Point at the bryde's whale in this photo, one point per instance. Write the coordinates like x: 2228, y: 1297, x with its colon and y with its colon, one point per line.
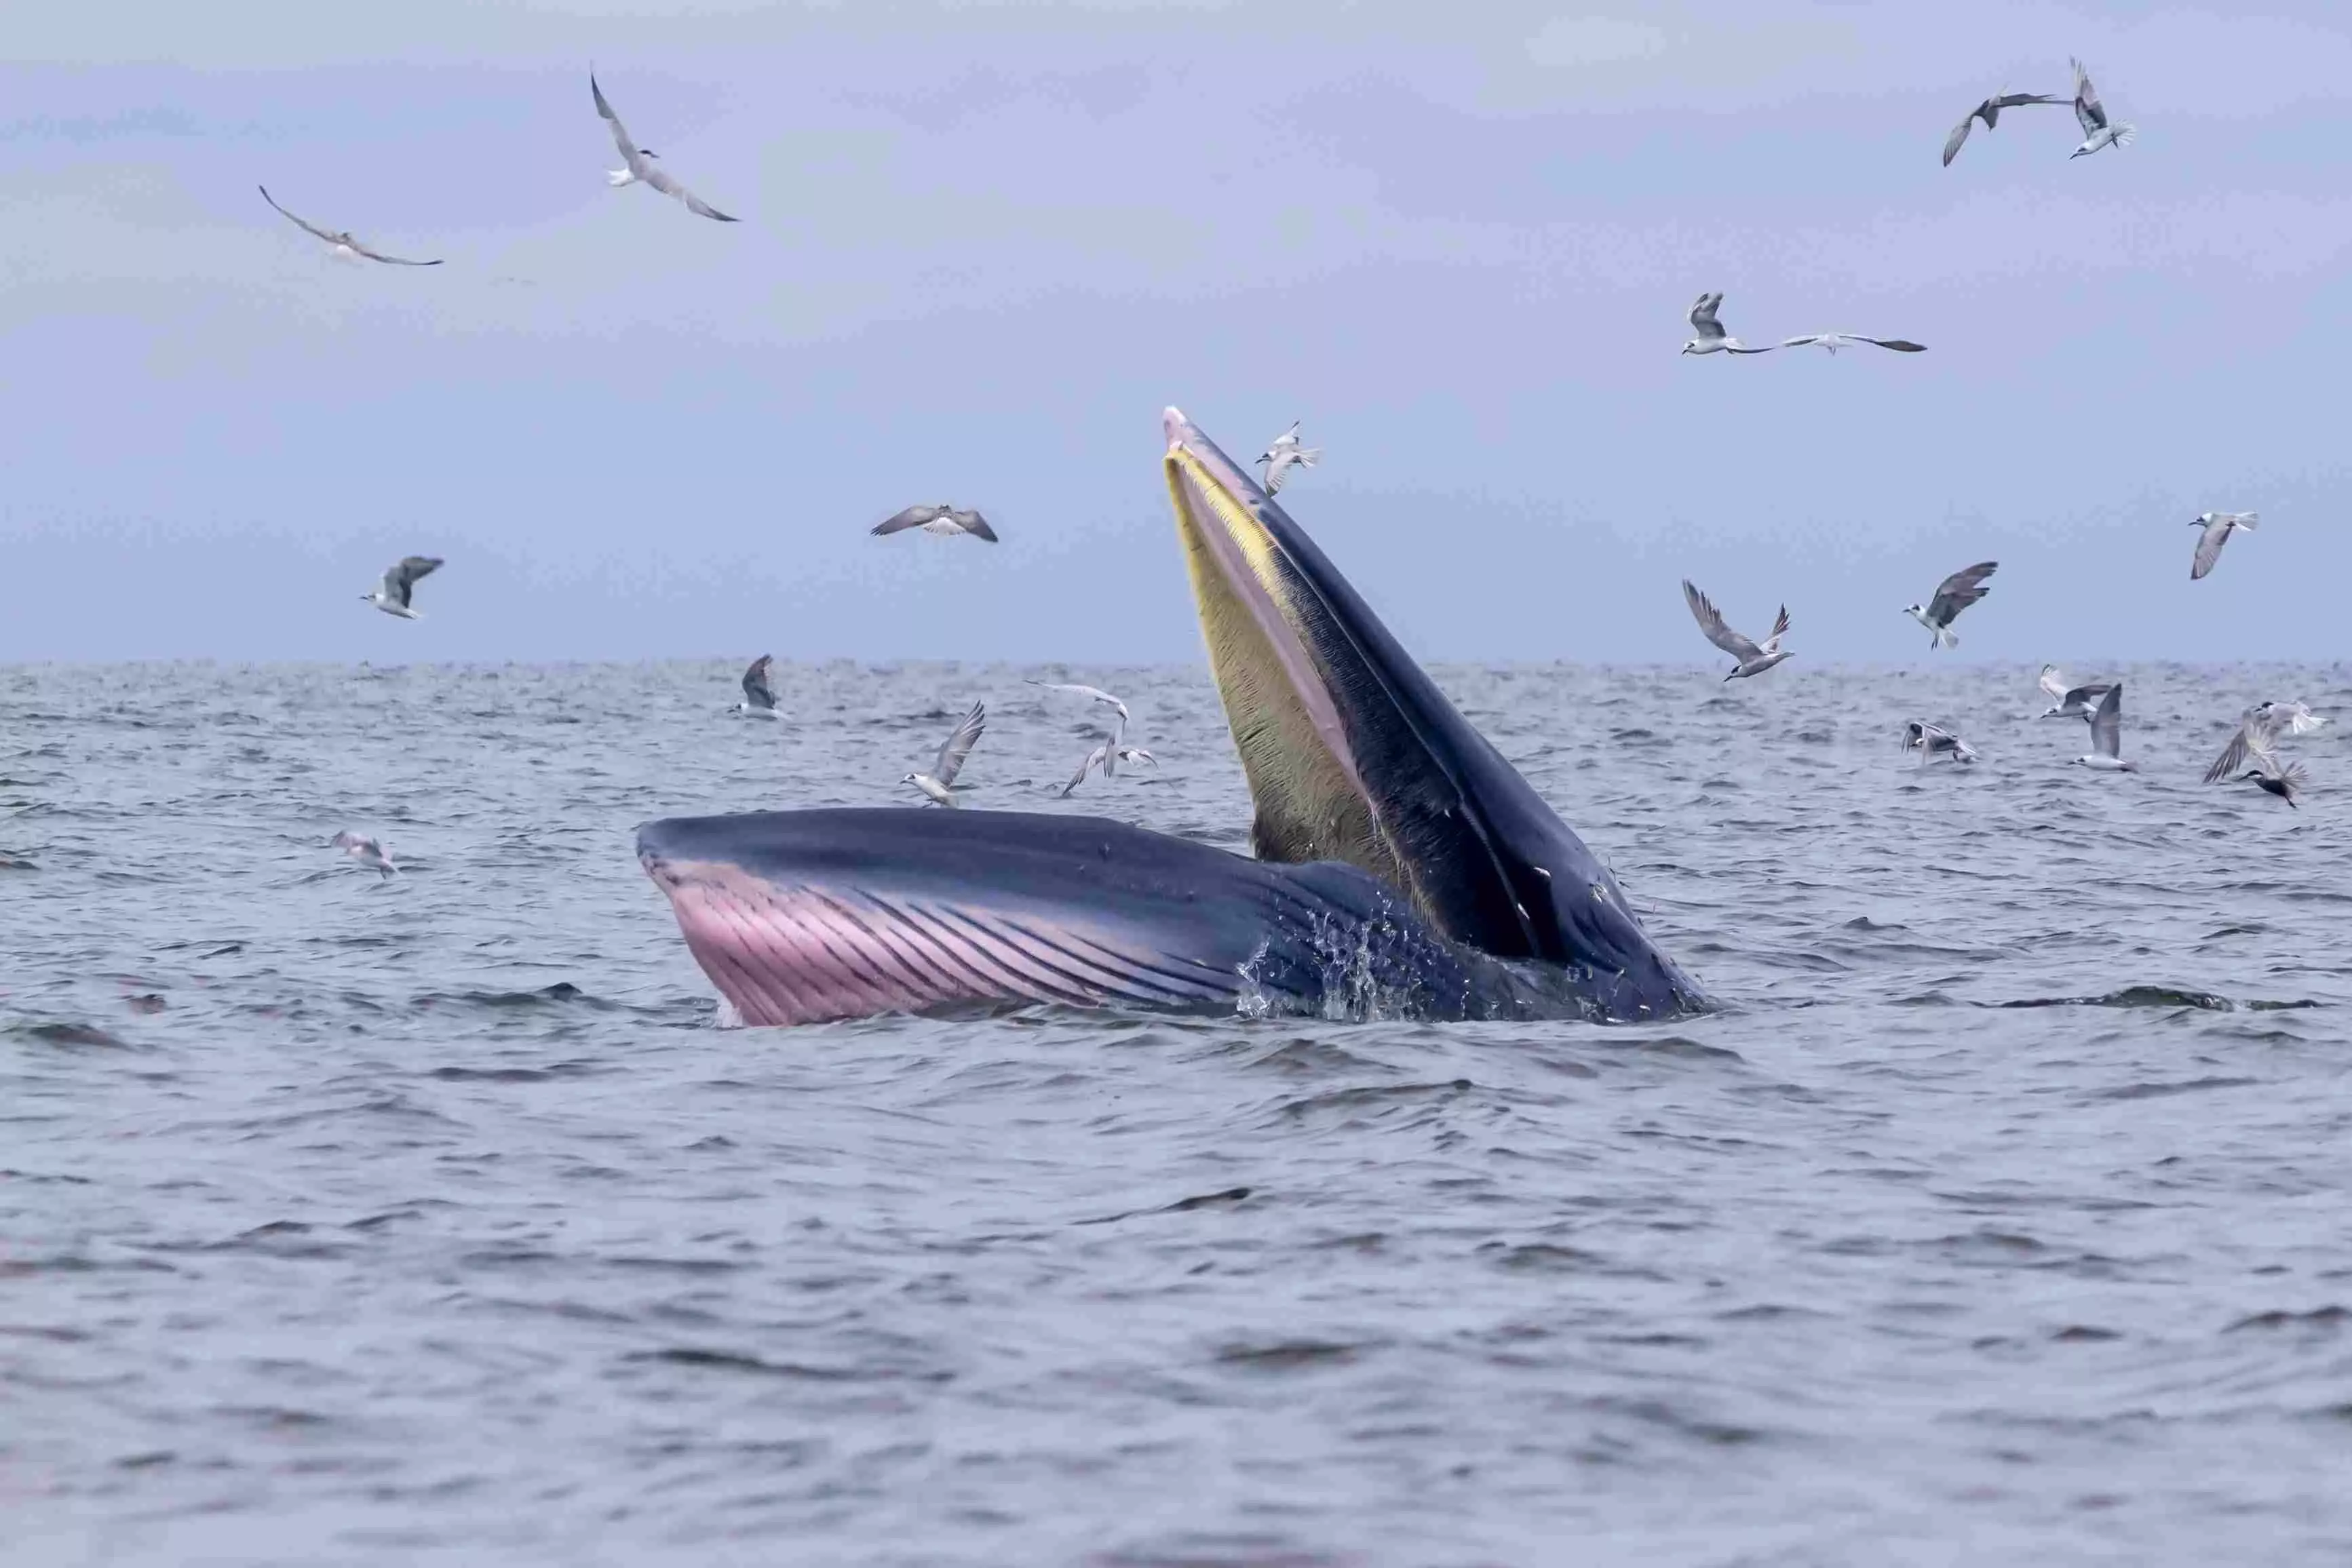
x: 1403, y: 868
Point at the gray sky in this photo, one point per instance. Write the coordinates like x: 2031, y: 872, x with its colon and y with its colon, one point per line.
x: 984, y: 244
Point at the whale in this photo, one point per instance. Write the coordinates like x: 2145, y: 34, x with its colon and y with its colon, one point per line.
x: 1400, y: 866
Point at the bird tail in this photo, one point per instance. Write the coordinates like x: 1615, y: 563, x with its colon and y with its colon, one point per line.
x: 618, y: 177
x: 2127, y: 134
x: 2247, y: 520
x: 1308, y: 454
x: 1946, y: 638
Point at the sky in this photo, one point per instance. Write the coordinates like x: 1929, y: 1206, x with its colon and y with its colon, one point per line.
x: 984, y: 243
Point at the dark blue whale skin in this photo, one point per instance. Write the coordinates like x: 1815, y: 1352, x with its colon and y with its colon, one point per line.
x: 929, y: 909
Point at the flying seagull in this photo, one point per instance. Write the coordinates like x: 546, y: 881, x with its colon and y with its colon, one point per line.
x: 1834, y: 341
x: 759, y: 696
x: 938, y: 785
x: 345, y: 245
x: 1712, y: 339
x: 1285, y: 454
x: 1753, y: 659
x: 2070, y: 702
x: 365, y: 851
x: 942, y: 521
x: 1117, y: 752
x: 2259, y: 728
x: 2096, y: 132
x: 1933, y: 740
x: 2107, y: 734
x: 2218, y: 527
x: 391, y: 594
x: 1104, y: 757
x: 1989, y: 112
x: 1954, y: 594
x: 638, y: 163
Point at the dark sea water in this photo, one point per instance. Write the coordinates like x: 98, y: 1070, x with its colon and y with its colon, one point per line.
x: 2000, y: 1217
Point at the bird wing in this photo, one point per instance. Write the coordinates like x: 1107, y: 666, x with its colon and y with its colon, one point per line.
x: 2012, y: 99
x: 1710, y: 621
x: 912, y: 517
x: 304, y: 223
x: 2209, y: 546
x: 1779, y: 630
x: 1959, y: 135
x: 2251, y: 735
x: 1075, y: 689
x: 394, y: 260
x: 2053, y: 682
x: 403, y: 577
x: 972, y: 523
x: 2107, y: 723
x: 2087, y: 107
x: 2083, y: 695
x: 630, y: 155
x: 1900, y: 345
x: 1826, y: 340
x: 1959, y: 590
x: 958, y: 746
x: 1701, y: 315
x: 1091, y: 759
x: 660, y: 180
x: 1277, y: 467
x: 1137, y: 754
x: 756, y: 690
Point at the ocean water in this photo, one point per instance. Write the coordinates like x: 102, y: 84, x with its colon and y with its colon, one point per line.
x: 1999, y: 1216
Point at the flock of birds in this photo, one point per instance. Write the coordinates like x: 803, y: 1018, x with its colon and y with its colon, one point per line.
x: 2251, y: 757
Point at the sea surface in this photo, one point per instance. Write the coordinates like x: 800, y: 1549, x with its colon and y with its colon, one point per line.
x: 1999, y: 1216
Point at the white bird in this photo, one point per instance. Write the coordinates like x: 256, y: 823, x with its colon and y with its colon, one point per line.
x: 1989, y: 112
x: 1753, y: 658
x: 941, y: 521
x: 2294, y: 719
x: 1096, y: 693
x: 1834, y: 341
x: 1103, y: 757
x: 758, y: 697
x: 2218, y: 527
x: 938, y: 785
x: 1954, y: 594
x: 365, y: 851
x: 1712, y: 339
x: 2259, y: 728
x: 391, y: 594
x: 1932, y: 740
x: 344, y: 245
x: 1284, y: 454
x: 2070, y: 702
x: 2096, y: 132
x: 2107, y: 734
x: 637, y: 164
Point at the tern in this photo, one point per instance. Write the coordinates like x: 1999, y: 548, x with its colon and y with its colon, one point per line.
x: 938, y: 785
x: 1933, y: 740
x: 365, y: 851
x: 1754, y: 659
x: 1117, y: 752
x: 2096, y: 132
x: 759, y: 696
x: 1104, y: 757
x: 2218, y: 527
x: 2283, y: 781
x: 344, y: 245
x: 941, y: 521
x: 637, y: 164
x: 1834, y: 341
x: 391, y: 594
x: 2259, y: 728
x: 1954, y: 594
x: 1284, y: 454
x: 1712, y: 339
x: 2107, y: 734
x: 2070, y: 702
x: 1989, y: 112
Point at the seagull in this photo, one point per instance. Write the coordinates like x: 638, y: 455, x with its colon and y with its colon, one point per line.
x: 365, y: 851
x: 1954, y: 594
x: 2259, y: 728
x: 1989, y: 112
x: 392, y: 595
x: 2096, y: 132
x: 2071, y: 701
x: 1932, y: 740
x: 1834, y: 341
x: 2218, y: 527
x: 1096, y: 693
x: 2107, y: 734
x: 758, y: 697
x: 345, y: 245
x: 638, y: 162
x: 1712, y: 339
x: 941, y: 521
x: 1752, y: 659
x: 1103, y: 757
x: 938, y: 785
x: 1285, y: 454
